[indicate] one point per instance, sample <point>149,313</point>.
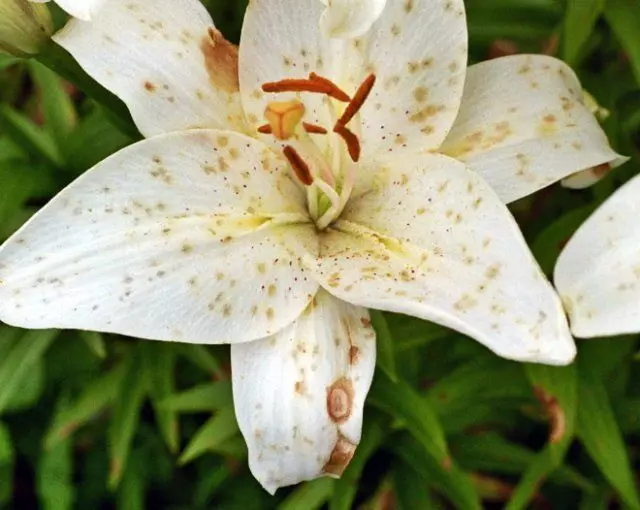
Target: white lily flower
<point>598,272</point>
<point>81,9</point>
<point>287,188</point>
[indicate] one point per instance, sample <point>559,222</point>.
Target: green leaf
<point>133,388</point>
<point>309,496</point>
<point>56,489</point>
<point>597,500</point>
<point>579,21</point>
<point>95,343</point>
<point>205,397</point>
<point>602,438</point>
<point>219,428</point>
<point>557,391</point>
<point>18,181</point>
<point>202,357</point>
<point>486,379</point>
<point>7,457</point>
<point>59,110</point>
<point>410,490</point>
<point>159,362</point>
<point>549,243</point>
<point>489,452</point>
<point>31,388</point>
<point>99,394</point>
<point>131,492</point>
<point>20,360</point>
<point>384,340</point>
<point>94,139</point>
<point>345,488</point>
<point>623,17</point>
<point>403,402</point>
<point>451,481</point>
<point>33,139</point>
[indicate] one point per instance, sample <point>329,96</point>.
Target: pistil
<point>327,191</point>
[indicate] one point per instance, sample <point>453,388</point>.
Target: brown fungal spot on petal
<point>354,355</point>
<point>340,400</point>
<point>340,457</point>
<point>221,61</point>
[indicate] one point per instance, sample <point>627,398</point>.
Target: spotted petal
<point>523,125</point>
<point>598,272</point>
<point>189,236</point>
<point>418,52</point>
<point>164,59</point>
<point>82,9</point>
<point>350,18</point>
<point>299,394</point>
<point>432,240</point>
<point>282,39</point>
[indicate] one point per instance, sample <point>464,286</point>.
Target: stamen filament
<point>358,100</point>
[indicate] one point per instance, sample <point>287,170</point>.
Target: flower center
<point>328,178</point>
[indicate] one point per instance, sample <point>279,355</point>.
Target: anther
<point>314,129</point>
<point>266,129</point>
<point>283,118</point>
<point>358,100</point>
<point>353,144</point>
<point>299,166</point>
<point>316,85</point>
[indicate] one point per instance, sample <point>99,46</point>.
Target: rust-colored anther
<point>314,129</point>
<point>338,93</point>
<point>317,85</point>
<point>358,100</point>
<point>284,117</point>
<point>299,166</point>
<point>353,144</point>
<point>266,129</point>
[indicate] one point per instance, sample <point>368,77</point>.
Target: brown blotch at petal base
<point>221,61</point>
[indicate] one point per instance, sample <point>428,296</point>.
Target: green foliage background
<point>96,421</point>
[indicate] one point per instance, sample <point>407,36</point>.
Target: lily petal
<point>82,9</point>
<point>164,59</point>
<point>590,176</point>
<point>299,395</point>
<point>418,51</point>
<point>280,40</point>
<point>432,240</point>
<point>598,272</point>
<point>189,236</point>
<point>346,19</point>
<point>523,125</point>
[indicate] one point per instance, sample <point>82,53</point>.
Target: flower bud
<point>24,27</point>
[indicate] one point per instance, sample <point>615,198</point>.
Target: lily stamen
<point>352,141</point>
<point>314,129</point>
<point>317,85</point>
<point>300,167</point>
<point>358,100</point>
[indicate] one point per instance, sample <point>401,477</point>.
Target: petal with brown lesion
<point>221,61</point>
